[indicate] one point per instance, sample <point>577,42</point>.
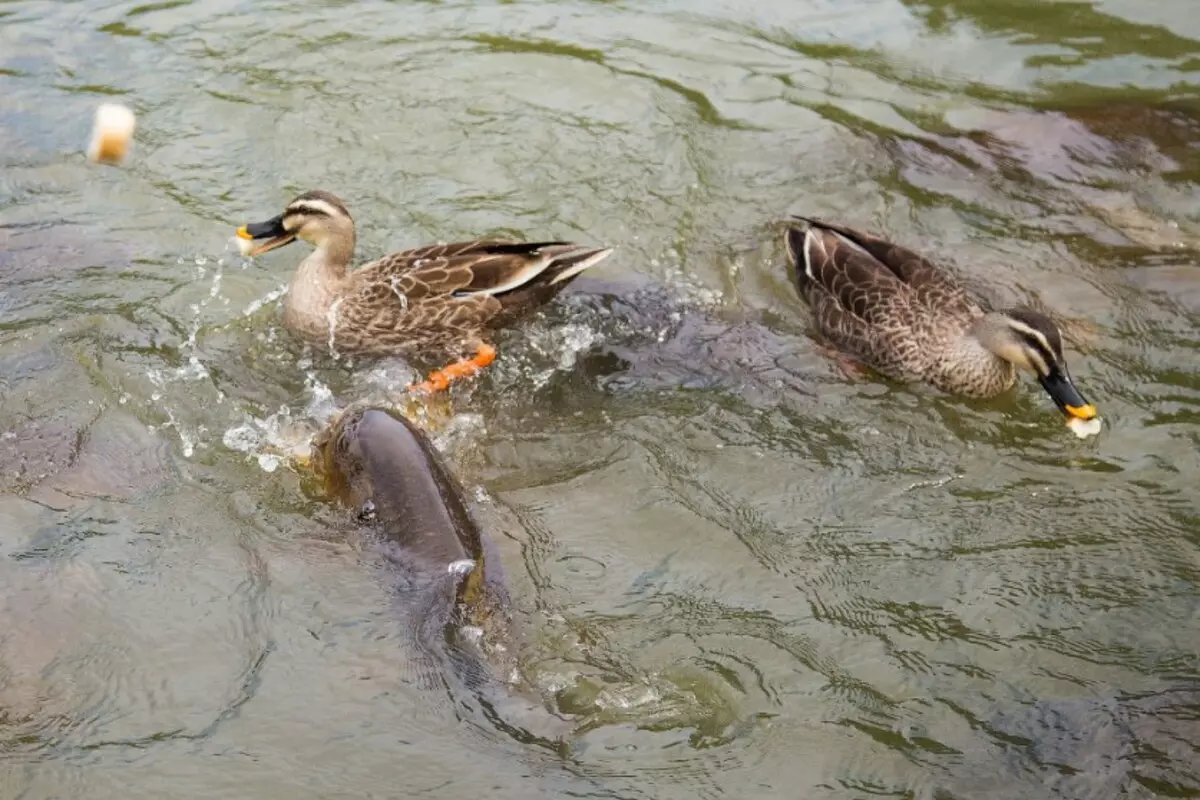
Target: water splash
<point>193,370</point>
<point>321,407</point>
<point>188,442</point>
<point>561,344</point>
<point>456,429</point>
<point>270,297</point>
<point>385,383</point>
<point>332,317</point>
<point>214,291</point>
<point>272,439</point>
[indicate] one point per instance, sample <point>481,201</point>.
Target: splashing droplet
<point>332,317</point>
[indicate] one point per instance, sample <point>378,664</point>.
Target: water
<point>746,573</point>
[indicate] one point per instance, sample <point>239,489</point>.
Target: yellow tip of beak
<point>244,234</point>
<point>1082,412</point>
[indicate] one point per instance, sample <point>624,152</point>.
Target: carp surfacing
<point>385,470</point>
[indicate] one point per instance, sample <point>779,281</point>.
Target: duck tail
<point>567,265</point>
<point>798,241</point>
<point>563,264</point>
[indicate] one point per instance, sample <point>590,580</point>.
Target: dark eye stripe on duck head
<point>1042,325</point>
<point>297,213</point>
<point>1041,356</point>
<point>317,203</point>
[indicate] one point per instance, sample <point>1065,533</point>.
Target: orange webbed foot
<point>441,379</point>
<point>851,368</point>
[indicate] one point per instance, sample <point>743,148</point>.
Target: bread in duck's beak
<point>1062,391</point>
<point>272,230</point>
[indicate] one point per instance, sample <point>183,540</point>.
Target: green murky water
<point>744,573</point>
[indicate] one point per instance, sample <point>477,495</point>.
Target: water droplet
<point>332,317</point>
<point>460,567</point>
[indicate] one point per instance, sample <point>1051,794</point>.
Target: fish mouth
<point>272,230</point>
<point>1070,402</point>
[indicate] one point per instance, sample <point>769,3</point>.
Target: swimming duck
<point>441,299</point>
<point>908,319</point>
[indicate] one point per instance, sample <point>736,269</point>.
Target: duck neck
<point>318,282</point>
<point>968,352</point>
<point>972,360</point>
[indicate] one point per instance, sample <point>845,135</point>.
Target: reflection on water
<point>742,571</point>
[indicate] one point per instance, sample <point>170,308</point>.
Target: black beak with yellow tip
<point>272,230</point>
<point>1062,391</point>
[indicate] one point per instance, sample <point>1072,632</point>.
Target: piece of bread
<point>112,134</point>
<point>1084,428</point>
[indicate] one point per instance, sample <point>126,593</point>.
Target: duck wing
<point>454,290</point>
<point>931,286</point>
<point>831,269</point>
<point>491,267</point>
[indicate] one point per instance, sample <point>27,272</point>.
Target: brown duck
<point>441,300</point>
<point>897,312</point>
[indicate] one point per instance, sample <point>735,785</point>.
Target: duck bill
<point>1068,399</point>
<point>272,231</point>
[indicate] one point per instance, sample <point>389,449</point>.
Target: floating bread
<point>112,134</point>
<point>1084,428</point>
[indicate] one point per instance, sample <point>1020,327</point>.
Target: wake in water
<point>260,393</point>
<point>192,403</point>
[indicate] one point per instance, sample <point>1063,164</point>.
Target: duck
<point>439,301</point>
<point>895,311</point>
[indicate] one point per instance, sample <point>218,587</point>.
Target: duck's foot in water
<point>441,379</point>
<point>852,369</point>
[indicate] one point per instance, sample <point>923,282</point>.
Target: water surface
<point>745,573</point>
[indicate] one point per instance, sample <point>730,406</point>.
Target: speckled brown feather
<point>444,305</point>
<point>930,286</point>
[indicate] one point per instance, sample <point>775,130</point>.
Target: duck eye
<point>367,512</point>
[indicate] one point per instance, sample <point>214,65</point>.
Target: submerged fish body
<point>385,469</point>
<point>448,579</point>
